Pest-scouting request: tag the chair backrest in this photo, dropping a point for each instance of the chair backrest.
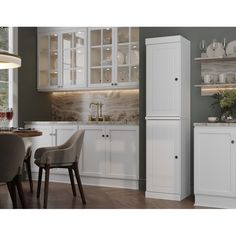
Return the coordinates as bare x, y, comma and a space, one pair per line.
74, 143
12, 153
66, 153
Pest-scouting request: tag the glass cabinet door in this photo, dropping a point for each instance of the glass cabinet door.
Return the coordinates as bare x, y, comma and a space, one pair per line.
100, 54
127, 55
43, 72
53, 60
74, 59
48, 61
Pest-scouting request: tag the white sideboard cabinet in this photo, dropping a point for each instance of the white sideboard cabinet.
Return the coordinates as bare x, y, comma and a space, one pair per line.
215, 165
110, 155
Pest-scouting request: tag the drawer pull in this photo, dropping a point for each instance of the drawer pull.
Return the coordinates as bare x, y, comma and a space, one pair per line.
232, 141
176, 157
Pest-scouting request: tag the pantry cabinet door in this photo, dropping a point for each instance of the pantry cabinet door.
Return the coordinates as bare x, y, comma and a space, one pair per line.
163, 156
214, 161
163, 79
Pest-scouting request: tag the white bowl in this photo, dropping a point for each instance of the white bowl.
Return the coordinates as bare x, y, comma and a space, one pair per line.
212, 119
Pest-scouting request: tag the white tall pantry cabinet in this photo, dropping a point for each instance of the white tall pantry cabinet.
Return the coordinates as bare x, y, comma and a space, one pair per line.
168, 117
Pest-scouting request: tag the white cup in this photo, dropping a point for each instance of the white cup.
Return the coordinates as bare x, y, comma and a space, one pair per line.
207, 79
222, 78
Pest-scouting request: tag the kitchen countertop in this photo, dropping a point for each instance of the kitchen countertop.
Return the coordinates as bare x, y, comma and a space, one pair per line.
81, 122
225, 124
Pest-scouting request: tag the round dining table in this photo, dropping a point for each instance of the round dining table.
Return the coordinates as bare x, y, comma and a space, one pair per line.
23, 133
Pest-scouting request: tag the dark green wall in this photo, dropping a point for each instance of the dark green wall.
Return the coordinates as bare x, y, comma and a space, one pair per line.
32, 105
200, 106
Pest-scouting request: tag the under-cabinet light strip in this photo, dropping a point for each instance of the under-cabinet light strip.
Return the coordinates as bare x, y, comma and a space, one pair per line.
96, 91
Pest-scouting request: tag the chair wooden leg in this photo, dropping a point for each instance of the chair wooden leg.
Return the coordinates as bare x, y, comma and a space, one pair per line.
76, 170
20, 191
39, 181
28, 168
72, 180
12, 191
47, 170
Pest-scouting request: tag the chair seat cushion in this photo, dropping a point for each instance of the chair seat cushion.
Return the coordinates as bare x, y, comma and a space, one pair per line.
52, 165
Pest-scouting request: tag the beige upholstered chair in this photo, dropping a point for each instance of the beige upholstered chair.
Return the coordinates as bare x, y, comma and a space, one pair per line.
63, 156
12, 153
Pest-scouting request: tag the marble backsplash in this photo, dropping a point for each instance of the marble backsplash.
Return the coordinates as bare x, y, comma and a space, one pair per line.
120, 105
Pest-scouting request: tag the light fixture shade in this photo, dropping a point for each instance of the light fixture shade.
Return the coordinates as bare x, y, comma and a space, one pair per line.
9, 60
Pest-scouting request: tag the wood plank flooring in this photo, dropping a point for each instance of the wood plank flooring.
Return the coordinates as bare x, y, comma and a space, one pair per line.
61, 197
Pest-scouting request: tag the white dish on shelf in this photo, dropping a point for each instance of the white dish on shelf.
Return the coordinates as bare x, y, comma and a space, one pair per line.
218, 52
134, 57
231, 48
120, 58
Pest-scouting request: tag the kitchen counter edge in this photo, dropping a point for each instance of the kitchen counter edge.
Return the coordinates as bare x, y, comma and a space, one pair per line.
79, 123
216, 124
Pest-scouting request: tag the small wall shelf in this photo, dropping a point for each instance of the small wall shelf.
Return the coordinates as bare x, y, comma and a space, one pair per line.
216, 66
210, 89
215, 59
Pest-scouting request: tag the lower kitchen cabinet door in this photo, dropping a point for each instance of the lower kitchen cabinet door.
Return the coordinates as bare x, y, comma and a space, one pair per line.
163, 156
93, 156
63, 132
214, 161
122, 152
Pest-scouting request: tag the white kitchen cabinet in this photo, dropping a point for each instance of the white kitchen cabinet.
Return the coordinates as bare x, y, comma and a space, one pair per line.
215, 166
54, 134
168, 117
110, 155
62, 58
113, 57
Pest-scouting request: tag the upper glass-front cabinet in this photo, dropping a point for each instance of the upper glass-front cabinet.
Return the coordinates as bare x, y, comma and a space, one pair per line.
48, 60
113, 57
68, 60
74, 59
127, 55
62, 59
101, 53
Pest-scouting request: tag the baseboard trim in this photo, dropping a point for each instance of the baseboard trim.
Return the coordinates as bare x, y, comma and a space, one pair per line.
93, 181
215, 201
165, 196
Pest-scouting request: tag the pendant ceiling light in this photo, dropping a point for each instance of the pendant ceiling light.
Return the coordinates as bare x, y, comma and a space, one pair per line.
9, 60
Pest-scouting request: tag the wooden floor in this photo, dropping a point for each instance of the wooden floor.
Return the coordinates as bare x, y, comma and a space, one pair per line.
61, 197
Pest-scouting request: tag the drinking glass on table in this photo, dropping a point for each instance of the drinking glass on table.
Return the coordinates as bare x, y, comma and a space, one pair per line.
9, 114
